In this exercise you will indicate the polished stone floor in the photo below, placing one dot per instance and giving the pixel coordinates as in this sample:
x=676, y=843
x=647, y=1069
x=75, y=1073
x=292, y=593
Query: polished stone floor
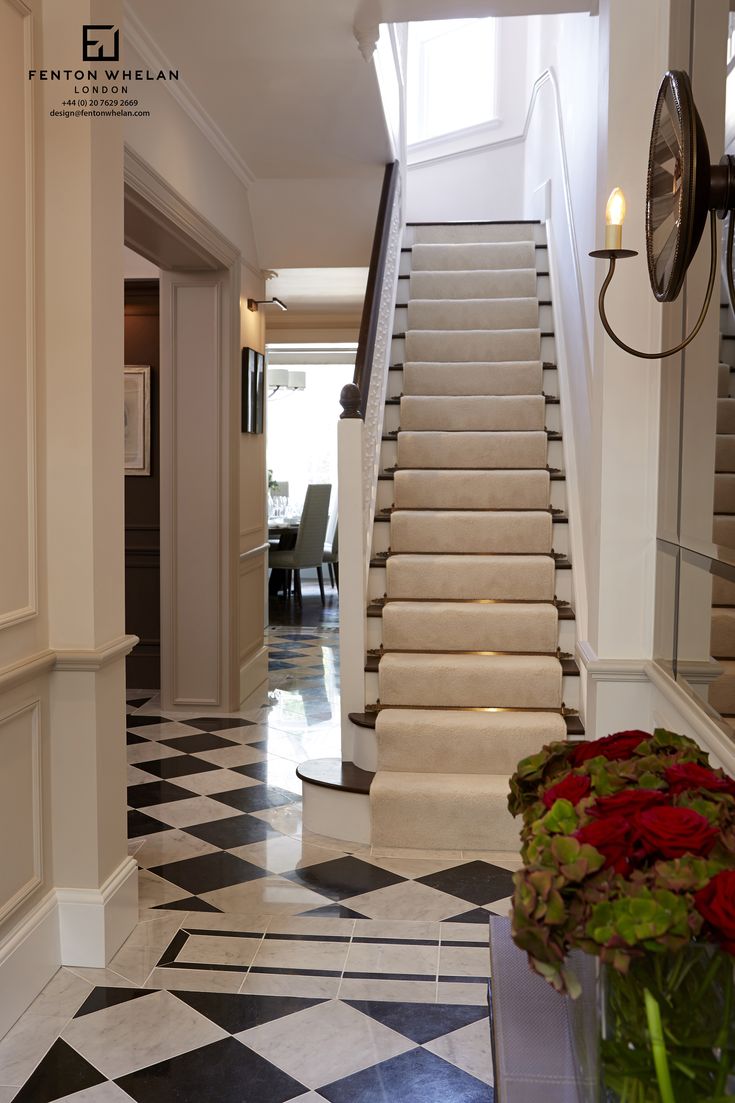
x=269, y=964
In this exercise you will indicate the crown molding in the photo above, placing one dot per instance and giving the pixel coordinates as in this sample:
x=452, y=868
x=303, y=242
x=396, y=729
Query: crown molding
x=153, y=56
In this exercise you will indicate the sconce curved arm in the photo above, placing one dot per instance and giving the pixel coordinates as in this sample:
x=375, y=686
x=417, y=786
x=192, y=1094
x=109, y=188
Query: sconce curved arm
x=707, y=299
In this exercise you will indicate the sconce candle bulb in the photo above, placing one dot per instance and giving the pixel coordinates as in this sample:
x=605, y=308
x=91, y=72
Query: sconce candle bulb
x=614, y=218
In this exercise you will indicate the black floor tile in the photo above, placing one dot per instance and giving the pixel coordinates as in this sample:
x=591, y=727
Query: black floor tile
x=140, y=824
x=188, y=904
x=209, y=872
x=202, y=741
x=421, y=1022
x=62, y=1072
x=137, y=702
x=218, y=723
x=132, y=739
x=100, y=998
x=257, y=770
x=343, y=877
x=241, y=1012
x=179, y=766
x=334, y=911
x=476, y=915
x=257, y=797
x=414, y=1077
x=223, y=1072
x=478, y=882
x=236, y=831
x=156, y=792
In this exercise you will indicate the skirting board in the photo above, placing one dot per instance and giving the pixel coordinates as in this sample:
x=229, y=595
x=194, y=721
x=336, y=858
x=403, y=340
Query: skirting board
x=29, y=957
x=337, y=814
x=94, y=923
x=253, y=673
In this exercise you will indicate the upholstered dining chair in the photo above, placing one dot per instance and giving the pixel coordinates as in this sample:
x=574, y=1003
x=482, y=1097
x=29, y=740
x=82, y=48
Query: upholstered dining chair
x=308, y=551
x=331, y=557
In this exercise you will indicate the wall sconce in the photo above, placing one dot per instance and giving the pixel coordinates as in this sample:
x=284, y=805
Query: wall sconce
x=682, y=186
x=253, y=304
x=283, y=379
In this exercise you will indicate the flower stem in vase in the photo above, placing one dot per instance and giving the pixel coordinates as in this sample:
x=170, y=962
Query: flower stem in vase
x=658, y=1046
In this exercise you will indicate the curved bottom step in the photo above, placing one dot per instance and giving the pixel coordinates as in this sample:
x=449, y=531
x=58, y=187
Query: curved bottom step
x=336, y=799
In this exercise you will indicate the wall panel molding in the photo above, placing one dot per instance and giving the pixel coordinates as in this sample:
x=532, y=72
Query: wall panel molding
x=33, y=825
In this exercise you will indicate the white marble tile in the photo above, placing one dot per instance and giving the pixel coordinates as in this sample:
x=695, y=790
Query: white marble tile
x=387, y=957
x=506, y=859
x=401, y=991
x=104, y=978
x=344, y=846
x=27, y=1042
x=465, y=932
x=214, y=949
x=279, y=984
x=196, y=980
x=250, y=922
x=312, y=925
x=100, y=1093
x=153, y=890
x=62, y=997
x=325, y=1043
x=135, y=776
x=215, y=781
x=398, y=928
x=425, y=855
x=413, y=867
x=468, y=1048
x=227, y=757
x=7, y=1094
x=404, y=901
x=327, y=957
x=457, y=992
x=464, y=961
x=310, y=1097
x=501, y=907
x=266, y=894
x=170, y=729
x=192, y=810
x=287, y=819
x=281, y=853
x=139, y=1033
x=149, y=752
x=140, y=953
x=171, y=846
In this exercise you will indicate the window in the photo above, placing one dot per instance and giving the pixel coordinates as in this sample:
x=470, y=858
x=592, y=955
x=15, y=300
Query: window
x=451, y=76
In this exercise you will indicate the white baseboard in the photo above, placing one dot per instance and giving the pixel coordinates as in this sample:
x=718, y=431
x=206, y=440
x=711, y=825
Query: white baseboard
x=338, y=814
x=94, y=923
x=29, y=957
x=253, y=673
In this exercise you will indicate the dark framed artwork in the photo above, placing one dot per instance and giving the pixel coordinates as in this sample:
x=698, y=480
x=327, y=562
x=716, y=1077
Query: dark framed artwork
x=252, y=391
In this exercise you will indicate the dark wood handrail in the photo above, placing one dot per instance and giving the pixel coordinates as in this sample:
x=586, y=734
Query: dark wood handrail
x=376, y=272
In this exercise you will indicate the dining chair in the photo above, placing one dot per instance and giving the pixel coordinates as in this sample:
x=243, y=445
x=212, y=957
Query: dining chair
x=308, y=551
x=331, y=557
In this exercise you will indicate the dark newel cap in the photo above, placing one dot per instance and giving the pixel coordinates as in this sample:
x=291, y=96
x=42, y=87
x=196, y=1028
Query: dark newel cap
x=349, y=400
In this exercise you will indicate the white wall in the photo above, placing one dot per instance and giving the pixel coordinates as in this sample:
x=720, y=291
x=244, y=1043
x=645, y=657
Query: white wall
x=485, y=183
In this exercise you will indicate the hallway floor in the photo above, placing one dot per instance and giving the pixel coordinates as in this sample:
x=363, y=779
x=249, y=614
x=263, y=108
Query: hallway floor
x=269, y=964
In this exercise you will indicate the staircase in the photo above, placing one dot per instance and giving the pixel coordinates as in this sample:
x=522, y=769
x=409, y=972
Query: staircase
x=471, y=629
x=722, y=643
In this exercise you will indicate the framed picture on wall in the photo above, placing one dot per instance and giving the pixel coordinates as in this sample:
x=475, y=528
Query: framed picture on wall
x=252, y=391
x=137, y=407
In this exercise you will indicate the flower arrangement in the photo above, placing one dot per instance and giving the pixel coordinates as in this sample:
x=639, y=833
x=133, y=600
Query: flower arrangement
x=628, y=845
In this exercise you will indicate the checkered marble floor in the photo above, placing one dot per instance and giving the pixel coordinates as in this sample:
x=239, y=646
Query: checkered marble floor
x=269, y=964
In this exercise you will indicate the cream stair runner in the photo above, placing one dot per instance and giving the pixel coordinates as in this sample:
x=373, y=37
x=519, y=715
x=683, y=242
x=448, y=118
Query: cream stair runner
x=469, y=675
x=722, y=642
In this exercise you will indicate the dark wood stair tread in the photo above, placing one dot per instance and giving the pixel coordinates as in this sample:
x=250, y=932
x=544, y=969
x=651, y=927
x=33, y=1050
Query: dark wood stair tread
x=333, y=773
x=367, y=720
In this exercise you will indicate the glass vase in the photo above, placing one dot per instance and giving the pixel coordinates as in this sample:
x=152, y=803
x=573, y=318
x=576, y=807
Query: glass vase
x=666, y=1028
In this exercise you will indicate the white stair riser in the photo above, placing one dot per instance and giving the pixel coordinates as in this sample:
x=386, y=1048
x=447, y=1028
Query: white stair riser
x=552, y=418
x=486, y=314
x=550, y=383
x=386, y=495
x=543, y=281
x=376, y=584
x=554, y=454
x=548, y=350
x=560, y=537
x=565, y=642
x=502, y=231
x=727, y=322
x=727, y=351
x=569, y=690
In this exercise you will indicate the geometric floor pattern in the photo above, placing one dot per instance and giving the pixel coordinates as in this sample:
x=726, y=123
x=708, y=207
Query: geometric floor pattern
x=269, y=964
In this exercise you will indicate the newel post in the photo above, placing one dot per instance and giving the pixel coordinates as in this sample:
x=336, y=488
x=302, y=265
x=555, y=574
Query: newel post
x=352, y=596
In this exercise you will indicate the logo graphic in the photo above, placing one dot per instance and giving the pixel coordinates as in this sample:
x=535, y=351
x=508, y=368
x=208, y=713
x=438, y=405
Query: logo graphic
x=100, y=42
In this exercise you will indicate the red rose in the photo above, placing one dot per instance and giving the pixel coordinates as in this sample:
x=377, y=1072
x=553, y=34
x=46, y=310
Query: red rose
x=617, y=746
x=627, y=802
x=689, y=775
x=716, y=902
x=612, y=837
x=672, y=832
x=573, y=788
